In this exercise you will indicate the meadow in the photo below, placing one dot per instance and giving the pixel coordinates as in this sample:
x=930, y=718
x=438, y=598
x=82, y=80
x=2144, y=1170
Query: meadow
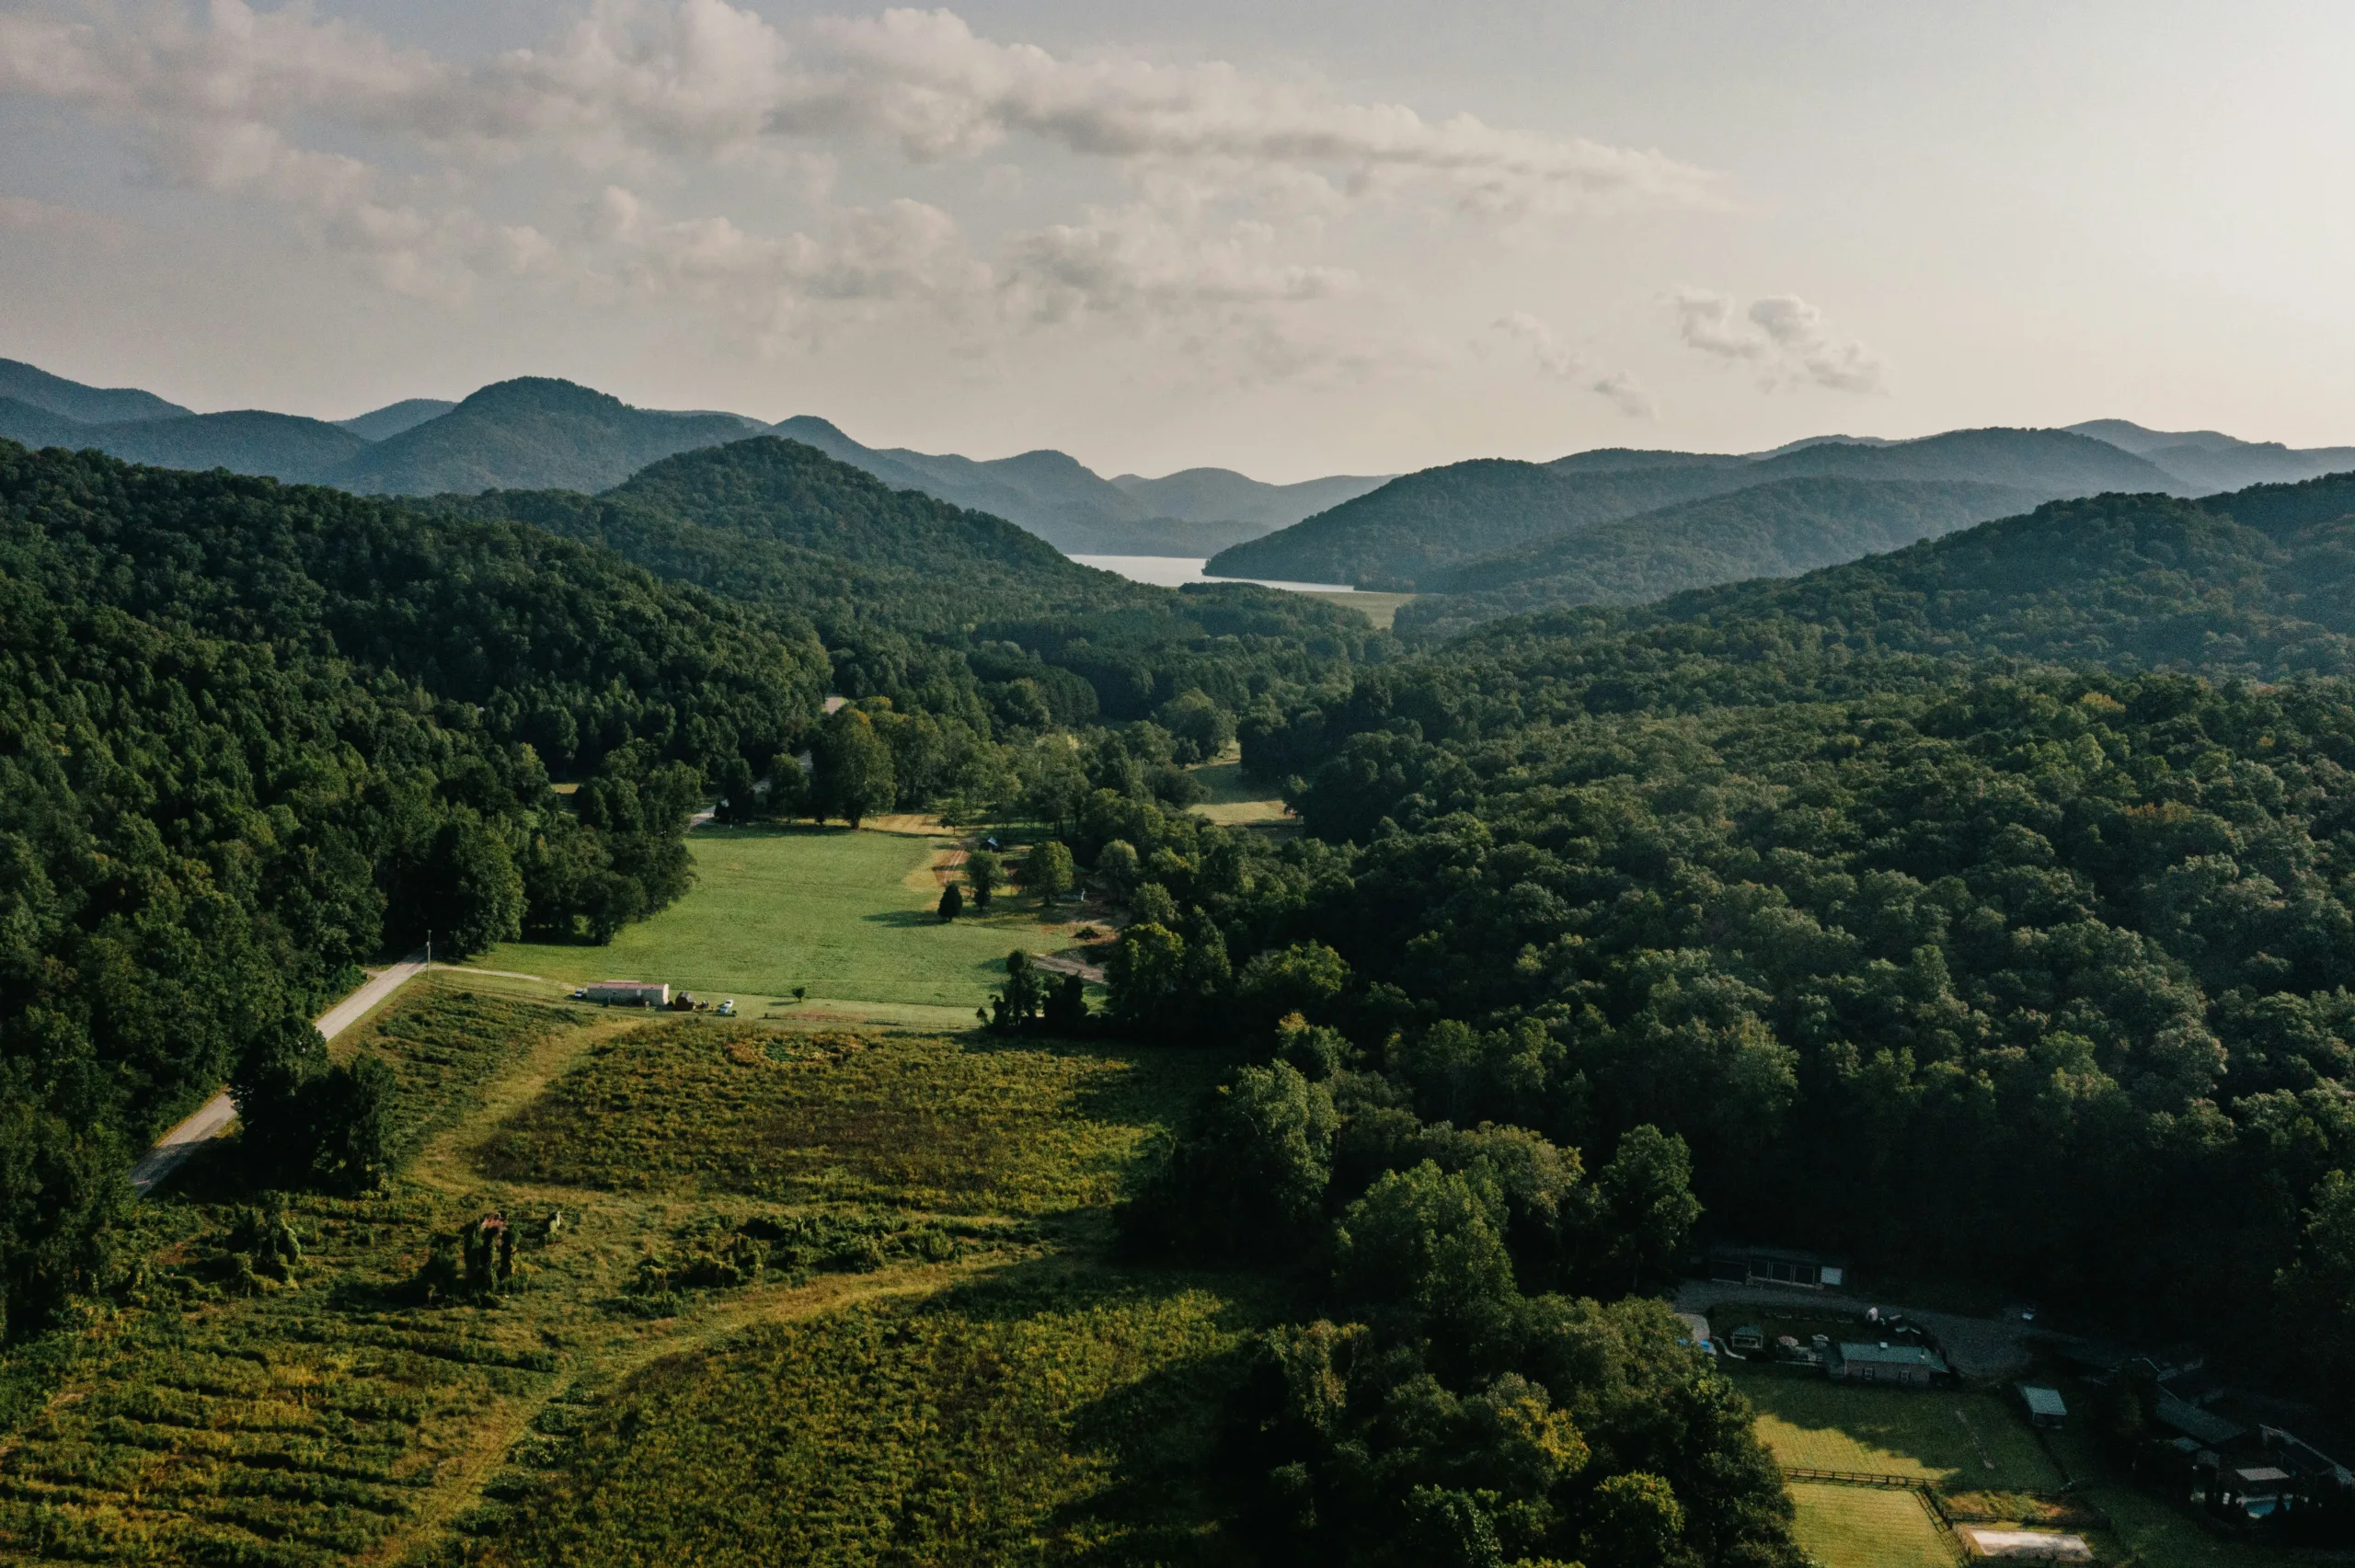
x=968, y=1123
x=1864, y=1527
x=1050, y=1414
x=348, y=1404
x=848, y=916
x=1960, y=1440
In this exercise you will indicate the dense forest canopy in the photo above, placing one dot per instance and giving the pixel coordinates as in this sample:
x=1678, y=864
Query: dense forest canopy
x=254, y=735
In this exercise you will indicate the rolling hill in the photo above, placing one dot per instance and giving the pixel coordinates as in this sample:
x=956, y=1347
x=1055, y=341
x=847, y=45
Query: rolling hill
x=1195, y=513
x=530, y=433
x=378, y=424
x=1415, y=529
x=1774, y=529
x=2211, y=459
x=1211, y=494
x=274, y=446
x=2259, y=584
x=86, y=404
x=779, y=523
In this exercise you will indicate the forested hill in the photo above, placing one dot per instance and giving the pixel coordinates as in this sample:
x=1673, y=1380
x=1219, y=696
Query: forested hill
x=2259, y=583
x=553, y=643
x=252, y=735
x=530, y=433
x=1767, y=530
x=779, y=524
x=913, y=594
x=1409, y=532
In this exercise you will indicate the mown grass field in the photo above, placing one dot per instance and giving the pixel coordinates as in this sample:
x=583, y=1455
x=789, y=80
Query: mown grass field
x=966, y=1124
x=849, y=916
x=997, y=1383
x=1235, y=799
x=1946, y=1436
x=1860, y=1527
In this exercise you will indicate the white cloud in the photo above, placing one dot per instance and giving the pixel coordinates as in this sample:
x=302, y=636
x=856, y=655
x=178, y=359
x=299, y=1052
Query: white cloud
x=1783, y=333
x=1564, y=363
x=25, y=215
x=431, y=174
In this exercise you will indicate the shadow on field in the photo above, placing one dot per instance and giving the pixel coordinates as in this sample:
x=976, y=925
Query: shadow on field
x=1159, y=1433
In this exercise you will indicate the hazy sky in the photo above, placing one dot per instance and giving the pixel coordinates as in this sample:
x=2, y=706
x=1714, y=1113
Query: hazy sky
x=1290, y=238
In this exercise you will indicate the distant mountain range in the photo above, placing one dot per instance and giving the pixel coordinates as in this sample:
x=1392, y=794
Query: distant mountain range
x=1474, y=540
x=538, y=433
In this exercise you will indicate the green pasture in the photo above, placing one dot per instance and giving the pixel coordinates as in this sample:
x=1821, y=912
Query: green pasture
x=1234, y=799
x=848, y=915
x=1864, y=1527
x=1960, y=1440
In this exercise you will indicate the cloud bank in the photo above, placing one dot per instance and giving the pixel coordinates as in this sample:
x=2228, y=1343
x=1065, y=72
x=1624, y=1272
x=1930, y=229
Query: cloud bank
x=1784, y=336
x=436, y=177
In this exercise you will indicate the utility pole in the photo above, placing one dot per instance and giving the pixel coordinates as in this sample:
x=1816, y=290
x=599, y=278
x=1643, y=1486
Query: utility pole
x=428, y=946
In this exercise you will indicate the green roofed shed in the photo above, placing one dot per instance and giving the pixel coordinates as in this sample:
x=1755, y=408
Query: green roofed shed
x=1907, y=1365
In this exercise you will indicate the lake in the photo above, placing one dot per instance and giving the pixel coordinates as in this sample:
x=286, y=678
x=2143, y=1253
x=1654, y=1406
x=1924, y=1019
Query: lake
x=1176, y=571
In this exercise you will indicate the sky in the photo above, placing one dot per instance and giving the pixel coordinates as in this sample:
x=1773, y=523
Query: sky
x=1288, y=238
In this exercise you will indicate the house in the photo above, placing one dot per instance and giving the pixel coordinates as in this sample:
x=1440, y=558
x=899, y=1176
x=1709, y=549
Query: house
x=1906, y=1365
x=2203, y=1426
x=1732, y=1264
x=626, y=993
x=2045, y=1407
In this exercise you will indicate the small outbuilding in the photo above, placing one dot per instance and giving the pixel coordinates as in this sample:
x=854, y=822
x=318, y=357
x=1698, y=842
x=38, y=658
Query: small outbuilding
x=1750, y=1337
x=1905, y=1366
x=2044, y=1406
x=626, y=994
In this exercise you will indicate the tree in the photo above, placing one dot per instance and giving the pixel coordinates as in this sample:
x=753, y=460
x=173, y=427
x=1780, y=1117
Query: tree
x=1199, y=728
x=952, y=903
x=61, y=1192
x=738, y=795
x=1147, y=973
x=1066, y=1006
x=853, y=777
x=1117, y=869
x=1248, y=1178
x=1635, y=1521
x=1046, y=871
x=1018, y=1006
x=983, y=871
x=1647, y=1204
x=1427, y=1243
x=471, y=895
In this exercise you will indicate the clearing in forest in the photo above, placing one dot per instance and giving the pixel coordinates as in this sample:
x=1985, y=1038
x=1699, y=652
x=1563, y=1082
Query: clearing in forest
x=848, y=915
x=313, y=1382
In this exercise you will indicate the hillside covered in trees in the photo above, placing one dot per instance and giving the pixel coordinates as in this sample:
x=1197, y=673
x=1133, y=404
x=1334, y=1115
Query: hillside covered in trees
x=1414, y=531
x=1768, y=530
x=254, y=735
x=1976, y=879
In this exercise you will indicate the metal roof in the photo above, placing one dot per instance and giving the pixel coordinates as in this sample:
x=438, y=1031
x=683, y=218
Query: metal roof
x=2043, y=1401
x=1891, y=1355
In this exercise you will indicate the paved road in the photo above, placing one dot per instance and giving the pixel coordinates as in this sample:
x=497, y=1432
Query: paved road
x=212, y=1117
x=1976, y=1348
